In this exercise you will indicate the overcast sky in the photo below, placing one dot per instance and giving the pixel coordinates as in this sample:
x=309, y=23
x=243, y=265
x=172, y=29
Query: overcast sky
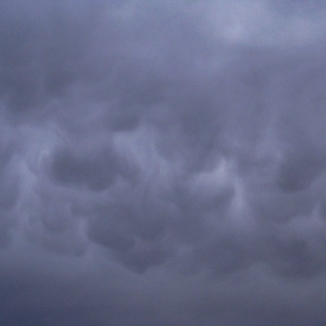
x=162, y=163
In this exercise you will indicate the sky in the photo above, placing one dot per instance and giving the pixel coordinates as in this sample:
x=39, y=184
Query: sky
x=162, y=163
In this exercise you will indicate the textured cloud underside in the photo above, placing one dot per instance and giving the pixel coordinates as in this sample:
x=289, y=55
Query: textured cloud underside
x=162, y=163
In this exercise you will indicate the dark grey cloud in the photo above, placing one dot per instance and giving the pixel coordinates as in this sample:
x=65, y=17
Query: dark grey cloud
x=162, y=163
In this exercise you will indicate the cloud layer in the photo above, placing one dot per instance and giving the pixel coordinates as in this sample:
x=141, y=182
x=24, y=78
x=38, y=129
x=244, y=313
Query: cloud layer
x=162, y=163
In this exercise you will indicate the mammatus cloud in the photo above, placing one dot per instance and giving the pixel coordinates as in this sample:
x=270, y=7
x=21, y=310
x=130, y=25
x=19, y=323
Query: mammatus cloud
x=162, y=163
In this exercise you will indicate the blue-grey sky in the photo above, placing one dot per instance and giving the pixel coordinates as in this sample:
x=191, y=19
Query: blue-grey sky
x=162, y=163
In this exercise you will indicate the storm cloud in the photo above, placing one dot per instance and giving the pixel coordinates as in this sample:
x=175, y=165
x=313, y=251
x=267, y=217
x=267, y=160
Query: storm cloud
x=162, y=163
